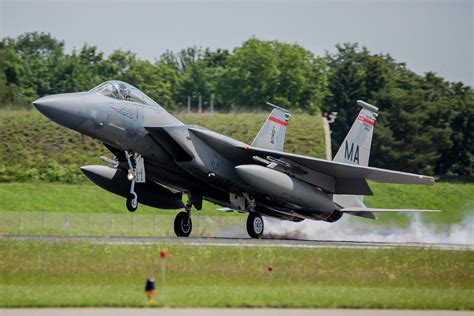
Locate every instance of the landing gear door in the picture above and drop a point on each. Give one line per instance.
(237, 201)
(140, 170)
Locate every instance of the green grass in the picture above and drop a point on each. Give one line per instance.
(88, 274)
(73, 198)
(34, 148)
(455, 199)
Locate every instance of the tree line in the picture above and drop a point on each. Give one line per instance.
(425, 122)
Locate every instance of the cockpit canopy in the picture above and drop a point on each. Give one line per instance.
(123, 91)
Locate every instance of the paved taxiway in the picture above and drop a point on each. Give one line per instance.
(221, 311)
(244, 242)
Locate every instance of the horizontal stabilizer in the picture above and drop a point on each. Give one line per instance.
(383, 210)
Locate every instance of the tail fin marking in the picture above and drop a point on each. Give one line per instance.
(355, 149)
(272, 134)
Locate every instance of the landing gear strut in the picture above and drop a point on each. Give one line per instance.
(255, 225)
(182, 223)
(136, 174)
(254, 221)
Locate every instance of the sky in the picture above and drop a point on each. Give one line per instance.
(427, 35)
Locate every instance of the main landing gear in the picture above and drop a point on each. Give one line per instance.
(136, 174)
(183, 224)
(255, 225)
(254, 220)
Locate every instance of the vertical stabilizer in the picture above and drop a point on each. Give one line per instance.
(355, 149)
(272, 134)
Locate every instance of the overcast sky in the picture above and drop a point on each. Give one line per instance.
(428, 35)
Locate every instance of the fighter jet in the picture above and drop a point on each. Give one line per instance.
(158, 158)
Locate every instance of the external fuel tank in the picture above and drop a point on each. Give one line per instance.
(281, 186)
(115, 180)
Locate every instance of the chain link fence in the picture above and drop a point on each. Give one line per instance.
(115, 224)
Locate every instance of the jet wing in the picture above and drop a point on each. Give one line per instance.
(336, 177)
(341, 170)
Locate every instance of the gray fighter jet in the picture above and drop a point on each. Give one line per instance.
(158, 158)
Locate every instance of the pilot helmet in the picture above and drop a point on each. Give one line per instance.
(124, 91)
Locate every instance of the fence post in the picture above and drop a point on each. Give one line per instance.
(110, 225)
(89, 223)
(20, 222)
(133, 224)
(212, 103)
(66, 221)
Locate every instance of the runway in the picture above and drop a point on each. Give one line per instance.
(220, 311)
(238, 242)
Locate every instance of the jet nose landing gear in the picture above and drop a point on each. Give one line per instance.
(132, 202)
(136, 174)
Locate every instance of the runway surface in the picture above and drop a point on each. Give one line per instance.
(241, 242)
(219, 312)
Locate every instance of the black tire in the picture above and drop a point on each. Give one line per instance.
(183, 225)
(255, 225)
(131, 207)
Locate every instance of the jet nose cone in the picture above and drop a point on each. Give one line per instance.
(52, 104)
(64, 109)
(42, 103)
(98, 172)
(87, 170)
(49, 107)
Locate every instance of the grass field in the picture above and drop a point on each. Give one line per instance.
(87, 274)
(34, 148)
(456, 199)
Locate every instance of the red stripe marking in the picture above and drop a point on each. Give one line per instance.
(276, 120)
(366, 120)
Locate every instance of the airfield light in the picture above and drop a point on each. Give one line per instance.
(163, 253)
(150, 289)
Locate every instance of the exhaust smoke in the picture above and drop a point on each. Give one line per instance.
(349, 229)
